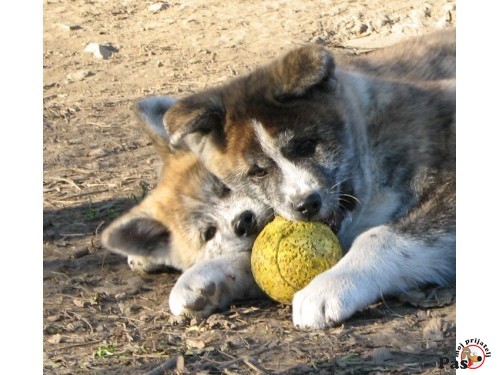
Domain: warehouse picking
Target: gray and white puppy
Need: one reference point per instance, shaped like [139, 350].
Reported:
[366, 146]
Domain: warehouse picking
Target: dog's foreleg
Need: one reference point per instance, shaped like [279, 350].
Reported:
[415, 250]
[212, 285]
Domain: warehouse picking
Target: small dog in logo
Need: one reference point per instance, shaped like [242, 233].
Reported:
[471, 357]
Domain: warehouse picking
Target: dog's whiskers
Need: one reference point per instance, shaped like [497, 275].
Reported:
[338, 183]
[349, 196]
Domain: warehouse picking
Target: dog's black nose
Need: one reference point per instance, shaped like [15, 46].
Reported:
[309, 206]
[245, 224]
[479, 358]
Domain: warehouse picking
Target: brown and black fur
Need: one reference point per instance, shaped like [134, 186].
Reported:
[190, 222]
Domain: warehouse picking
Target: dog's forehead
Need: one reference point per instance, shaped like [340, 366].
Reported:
[188, 186]
[199, 210]
[254, 121]
[271, 140]
[247, 106]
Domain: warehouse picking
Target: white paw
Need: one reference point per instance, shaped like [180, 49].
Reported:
[137, 264]
[145, 265]
[200, 294]
[327, 300]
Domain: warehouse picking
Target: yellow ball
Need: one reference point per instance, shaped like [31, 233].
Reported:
[287, 255]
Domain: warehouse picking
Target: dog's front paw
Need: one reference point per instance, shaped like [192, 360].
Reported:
[327, 300]
[200, 294]
[146, 265]
[135, 264]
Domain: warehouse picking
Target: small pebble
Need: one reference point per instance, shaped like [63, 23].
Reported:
[67, 27]
[431, 345]
[54, 318]
[121, 296]
[79, 75]
[100, 51]
[193, 343]
[156, 7]
[55, 339]
[433, 330]
[80, 253]
[97, 152]
[135, 309]
[380, 355]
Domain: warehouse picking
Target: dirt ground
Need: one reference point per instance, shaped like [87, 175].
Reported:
[101, 318]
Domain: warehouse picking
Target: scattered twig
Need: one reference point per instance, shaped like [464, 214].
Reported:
[76, 345]
[75, 315]
[67, 278]
[72, 169]
[258, 351]
[388, 307]
[248, 362]
[103, 257]
[67, 180]
[64, 202]
[98, 227]
[74, 234]
[175, 363]
[109, 185]
[83, 194]
[129, 337]
[101, 125]
[46, 201]
[96, 235]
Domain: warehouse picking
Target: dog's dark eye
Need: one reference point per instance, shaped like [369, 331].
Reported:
[209, 233]
[304, 147]
[257, 171]
[225, 191]
[221, 190]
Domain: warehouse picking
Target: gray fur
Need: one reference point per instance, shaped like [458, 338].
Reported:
[382, 162]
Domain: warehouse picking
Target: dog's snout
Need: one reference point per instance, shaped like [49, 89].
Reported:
[245, 224]
[309, 206]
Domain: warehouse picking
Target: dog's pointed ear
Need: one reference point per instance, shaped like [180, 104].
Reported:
[151, 113]
[137, 235]
[301, 70]
[194, 120]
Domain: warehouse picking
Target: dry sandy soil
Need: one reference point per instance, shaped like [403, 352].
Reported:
[98, 316]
